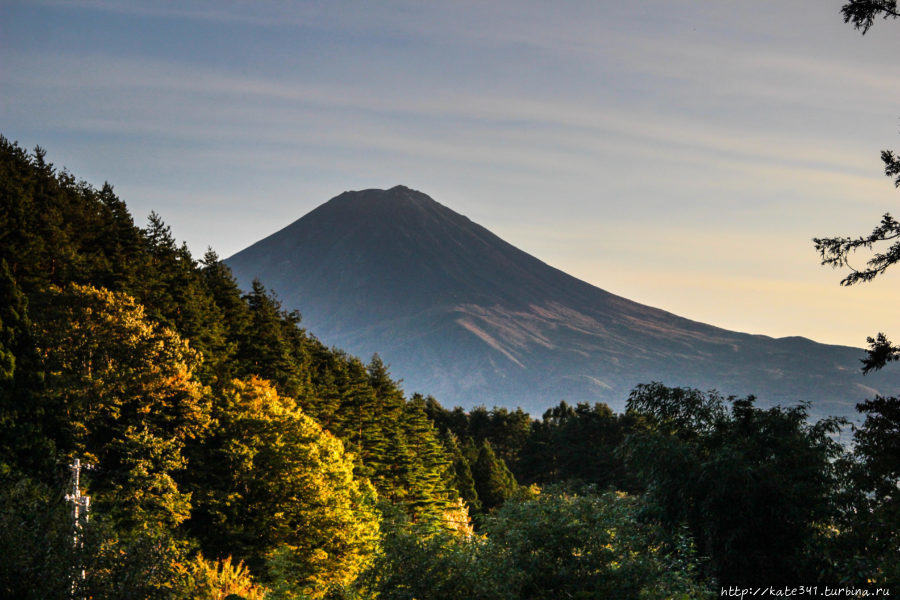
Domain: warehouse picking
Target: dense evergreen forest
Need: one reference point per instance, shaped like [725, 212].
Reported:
[231, 454]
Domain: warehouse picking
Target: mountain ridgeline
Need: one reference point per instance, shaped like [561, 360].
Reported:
[461, 314]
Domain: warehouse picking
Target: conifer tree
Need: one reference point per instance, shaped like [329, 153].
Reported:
[356, 423]
[222, 287]
[430, 479]
[328, 372]
[173, 291]
[463, 481]
[493, 480]
[272, 345]
[387, 453]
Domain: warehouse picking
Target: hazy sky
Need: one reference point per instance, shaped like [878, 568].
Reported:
[681, 153]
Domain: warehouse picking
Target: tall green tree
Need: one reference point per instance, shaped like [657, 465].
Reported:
[272, 488]
[174, 294]
[753, 485]
[883, 244]
[463, 480]
[867, 544]
[577, 444]
[123, 391]
[590, 545]
[26, 424]
[272, 345]
[869, 524]
[431, 477]
[493, 480]
[551, 546]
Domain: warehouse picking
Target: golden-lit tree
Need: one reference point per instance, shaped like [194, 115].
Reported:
[122, 388]
[280, 492]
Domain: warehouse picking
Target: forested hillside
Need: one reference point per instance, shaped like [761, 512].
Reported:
[234, 455]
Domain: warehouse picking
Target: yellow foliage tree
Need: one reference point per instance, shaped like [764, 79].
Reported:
[122, 388]
[280, 492]
[219, 580]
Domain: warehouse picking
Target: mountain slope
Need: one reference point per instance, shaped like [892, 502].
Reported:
[461, 314]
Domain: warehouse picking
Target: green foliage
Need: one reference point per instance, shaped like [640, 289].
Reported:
[41, 562]
[218, 423]
[224, 292]
[865, 546]
[494, 482]
[272, 345]
[463, 480]
[753, 485]
[577, 444]
[550, 546]
[122, 388]
[276, 490]
[57, 230]
[13, 322]
[508, 431]
[140, 564]
[591, 545]
[837, 251]
[428, 477]
[395, 444]
[424, 562]
[173, 290]
[24, 443]
[35, 541]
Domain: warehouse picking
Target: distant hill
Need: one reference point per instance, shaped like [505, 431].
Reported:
[460, 314]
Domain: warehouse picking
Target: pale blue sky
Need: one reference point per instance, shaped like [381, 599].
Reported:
[680, 153]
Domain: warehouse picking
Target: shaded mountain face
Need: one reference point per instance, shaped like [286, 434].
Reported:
[460, 314]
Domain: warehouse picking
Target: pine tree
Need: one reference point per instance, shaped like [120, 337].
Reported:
[430, 479]
[272, 346]
[493, 480]
[463, 480]
[220, 284]
[174, 292]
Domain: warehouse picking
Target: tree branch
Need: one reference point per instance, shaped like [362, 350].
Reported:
[862, 13]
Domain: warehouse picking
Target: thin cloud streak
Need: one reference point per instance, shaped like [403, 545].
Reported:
[197, 98]
[627, 118]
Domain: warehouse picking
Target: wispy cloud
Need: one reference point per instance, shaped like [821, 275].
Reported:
[623, 120]
[147, 98]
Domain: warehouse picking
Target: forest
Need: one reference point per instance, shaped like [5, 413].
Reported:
[228, 453]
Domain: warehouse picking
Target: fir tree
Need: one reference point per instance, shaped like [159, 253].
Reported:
[493, 480]
[272, 346]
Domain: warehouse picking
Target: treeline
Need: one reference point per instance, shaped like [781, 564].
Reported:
[235, 453]
[764, 496]
[214, 422]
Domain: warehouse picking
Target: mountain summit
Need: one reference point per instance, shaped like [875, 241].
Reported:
[461, 314]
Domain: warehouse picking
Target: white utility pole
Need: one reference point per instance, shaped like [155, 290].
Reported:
[81, 506]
